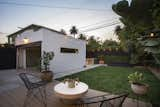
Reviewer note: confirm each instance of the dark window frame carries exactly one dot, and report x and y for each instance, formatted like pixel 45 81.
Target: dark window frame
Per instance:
pixel 69 50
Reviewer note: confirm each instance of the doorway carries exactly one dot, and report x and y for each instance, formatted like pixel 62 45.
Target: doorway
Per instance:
pixel 29 55
pixel 33 56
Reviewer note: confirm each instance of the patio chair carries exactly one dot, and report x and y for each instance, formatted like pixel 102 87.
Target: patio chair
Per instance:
pixel 33 89
pixel 103 101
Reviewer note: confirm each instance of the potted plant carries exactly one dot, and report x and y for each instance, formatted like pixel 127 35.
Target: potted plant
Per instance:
pixel 101 59
pixel 47 75
pixel 136 83
pixel 71 82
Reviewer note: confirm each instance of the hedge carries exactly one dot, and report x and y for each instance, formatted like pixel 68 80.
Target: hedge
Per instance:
pixel 116 59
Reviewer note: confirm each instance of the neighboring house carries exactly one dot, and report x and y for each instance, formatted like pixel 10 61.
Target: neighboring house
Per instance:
pixel 31 41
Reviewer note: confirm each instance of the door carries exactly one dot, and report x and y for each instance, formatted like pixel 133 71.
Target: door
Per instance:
pixel 21 58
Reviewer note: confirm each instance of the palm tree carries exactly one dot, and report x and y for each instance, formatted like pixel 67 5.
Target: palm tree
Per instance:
pixel 82 37
pixel 63 31
pixel 117 29
pixel 73 30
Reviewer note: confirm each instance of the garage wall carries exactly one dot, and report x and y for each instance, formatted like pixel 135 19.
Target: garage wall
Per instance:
pixel 33 36
pixel 64 62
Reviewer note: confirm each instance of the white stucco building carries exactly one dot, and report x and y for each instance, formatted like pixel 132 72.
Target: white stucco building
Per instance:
pixel 31 41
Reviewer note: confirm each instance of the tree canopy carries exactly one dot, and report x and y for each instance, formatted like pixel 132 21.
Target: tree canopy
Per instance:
pixel 140 18
pixel 82 37
pixel 92 44
pixel 63 31
pixel 73 30
pixel 109 44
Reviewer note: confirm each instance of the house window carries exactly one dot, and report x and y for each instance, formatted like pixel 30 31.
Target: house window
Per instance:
pixel 69 50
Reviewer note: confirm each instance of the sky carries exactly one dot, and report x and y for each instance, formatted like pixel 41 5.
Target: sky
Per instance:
pixel 80 13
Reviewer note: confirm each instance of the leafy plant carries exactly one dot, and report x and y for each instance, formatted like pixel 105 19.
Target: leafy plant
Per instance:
pixel 46 58
pixel 71 82
pixel 151 46
pixel 101 57
pixel 135 77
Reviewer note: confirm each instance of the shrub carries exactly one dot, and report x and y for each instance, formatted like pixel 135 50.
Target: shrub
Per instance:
pixel 116 59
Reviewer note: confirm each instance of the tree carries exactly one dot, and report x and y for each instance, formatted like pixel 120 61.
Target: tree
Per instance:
pixel 117 29
pixel 137 18
pixel 93 44
pixel 156 14
pixel 151 44
pixel 154 46
pixel 109 44
pixel 82 37
pixel 63 31
pixel 73 30
pixel 137 15
pixel 141 18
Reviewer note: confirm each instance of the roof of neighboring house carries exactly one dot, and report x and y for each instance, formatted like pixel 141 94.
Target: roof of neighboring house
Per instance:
pixel 34 26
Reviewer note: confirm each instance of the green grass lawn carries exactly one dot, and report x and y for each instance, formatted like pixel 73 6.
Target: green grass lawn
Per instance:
pixel 114 80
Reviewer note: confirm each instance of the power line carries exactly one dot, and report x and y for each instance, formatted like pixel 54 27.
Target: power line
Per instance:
pixel 100 27
pixel 49 6
pixel 97 23
pixel 91 29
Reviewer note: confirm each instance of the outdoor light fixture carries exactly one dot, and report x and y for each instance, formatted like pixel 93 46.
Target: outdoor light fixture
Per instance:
pixel 26 40
pixel 2 45
pixel 152 34
pixel 65 37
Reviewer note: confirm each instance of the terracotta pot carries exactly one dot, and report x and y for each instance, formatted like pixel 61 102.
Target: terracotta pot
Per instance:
pixel 101 61
pixel 47 76
pixel 139 88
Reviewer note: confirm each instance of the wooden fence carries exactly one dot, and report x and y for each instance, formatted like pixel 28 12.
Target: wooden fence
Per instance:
pixel 7 57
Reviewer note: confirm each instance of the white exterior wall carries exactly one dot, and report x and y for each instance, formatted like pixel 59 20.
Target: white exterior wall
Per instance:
pixel 31 35
pixel 52 41
pixel 63 62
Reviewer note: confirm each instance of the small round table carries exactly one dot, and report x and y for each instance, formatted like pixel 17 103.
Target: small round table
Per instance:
pixel 63 91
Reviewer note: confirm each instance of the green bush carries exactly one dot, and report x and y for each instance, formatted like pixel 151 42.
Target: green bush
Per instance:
pixel 135 77
pixel 116 59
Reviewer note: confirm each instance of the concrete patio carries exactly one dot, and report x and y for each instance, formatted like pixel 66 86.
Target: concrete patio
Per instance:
pixel 12 93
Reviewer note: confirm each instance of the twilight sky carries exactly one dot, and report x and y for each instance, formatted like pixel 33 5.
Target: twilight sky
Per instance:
pixel 89 12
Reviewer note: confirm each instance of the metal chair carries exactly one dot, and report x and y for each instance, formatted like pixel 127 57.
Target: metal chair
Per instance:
pixel 33 89
pixel 103 101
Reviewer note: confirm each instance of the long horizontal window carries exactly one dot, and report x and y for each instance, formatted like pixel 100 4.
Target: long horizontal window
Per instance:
pixel 69 50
